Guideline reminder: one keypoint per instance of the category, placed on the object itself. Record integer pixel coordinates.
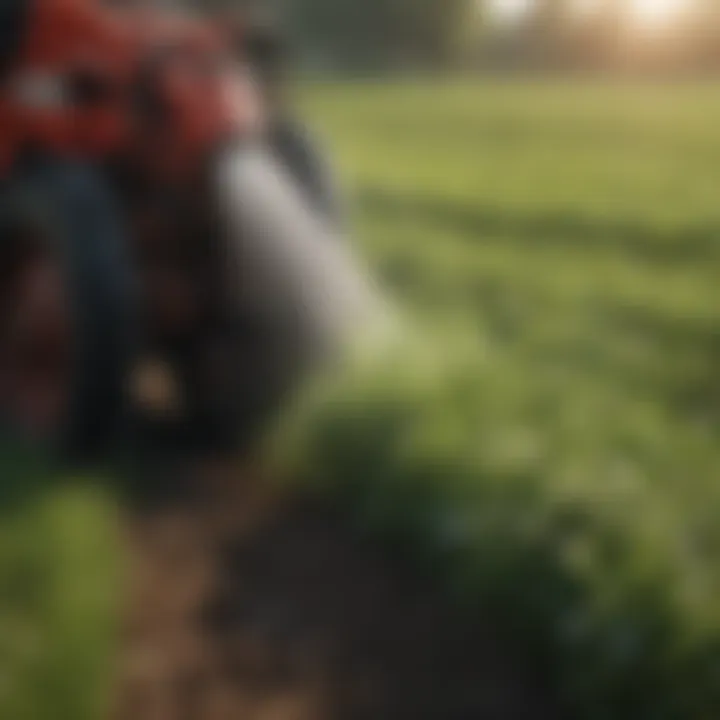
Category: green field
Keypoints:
(567, 471)
(570, 476)
(58, 591)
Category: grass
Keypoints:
(58, 585)
(564, 470)
(575, 227)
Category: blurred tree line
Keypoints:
(382, 34)
(553, 35)
(604, 35)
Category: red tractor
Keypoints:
(166, 236)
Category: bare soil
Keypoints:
(245, 603)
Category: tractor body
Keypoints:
(197, 275)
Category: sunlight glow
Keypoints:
(655, 12)
(641, 12)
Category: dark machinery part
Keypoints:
(14, 16)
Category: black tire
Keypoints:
(76, 213)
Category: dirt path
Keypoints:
(248, 606)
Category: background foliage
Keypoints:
(552, 35)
